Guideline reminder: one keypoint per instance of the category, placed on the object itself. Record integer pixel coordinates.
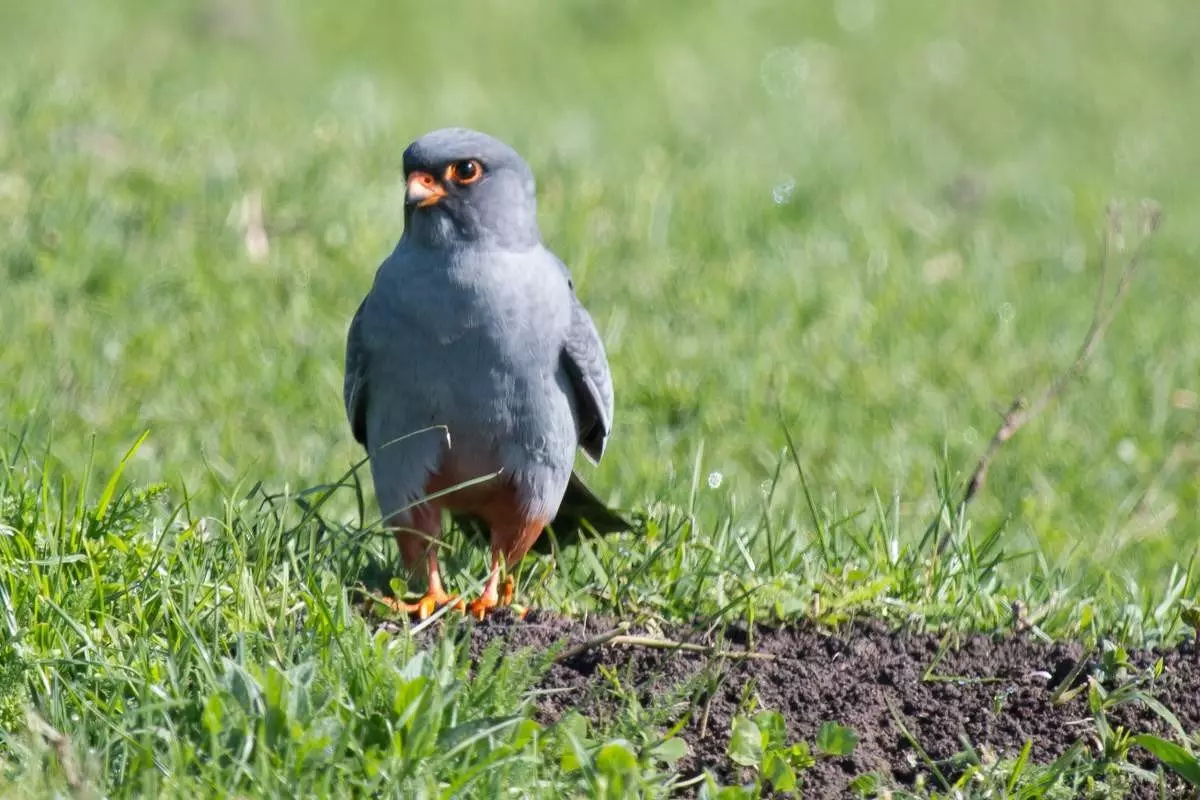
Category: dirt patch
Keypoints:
(994, 692)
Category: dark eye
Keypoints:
(464, 172)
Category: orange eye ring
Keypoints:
(464, 172)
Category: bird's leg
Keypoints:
(489, 598)
(435, 594)
(411, 548)
(496, 593)
(512, 534)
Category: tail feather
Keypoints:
(581, 504)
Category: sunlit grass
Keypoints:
(175, 653)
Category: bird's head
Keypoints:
(465, 187)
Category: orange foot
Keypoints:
(491, 599)
(428, 603)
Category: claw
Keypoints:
(491, 599)
(480, 606)
(426, 605)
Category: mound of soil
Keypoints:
(993, 692)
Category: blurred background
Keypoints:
(872, 225)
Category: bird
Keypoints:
(473, 373)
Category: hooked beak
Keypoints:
(423, 190)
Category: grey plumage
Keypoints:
(355, 380)
(584, 360)
(474, 325)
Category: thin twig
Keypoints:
(617, 637)
(708, 701)
(1021, 411)
(592, 643)
(655, 643)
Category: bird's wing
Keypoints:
(354, 389)
(586, 365)
(401, 465)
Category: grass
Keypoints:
(165, 652)
(868, 229)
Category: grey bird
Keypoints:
(472, 358)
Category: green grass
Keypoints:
(868, 227)
(172, 653)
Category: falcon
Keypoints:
(473, 373)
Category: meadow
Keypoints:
(826, 245)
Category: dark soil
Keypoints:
(994, 692)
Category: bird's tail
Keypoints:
(580, 504)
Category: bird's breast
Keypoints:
(477, 348)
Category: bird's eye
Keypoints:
(464, 172)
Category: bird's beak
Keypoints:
(423, 190)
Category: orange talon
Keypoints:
(480, 607)
(425, 605)
(435, 596)
(430, 603)
(496, 594)
(489, 599)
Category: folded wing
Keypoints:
(586, 364)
